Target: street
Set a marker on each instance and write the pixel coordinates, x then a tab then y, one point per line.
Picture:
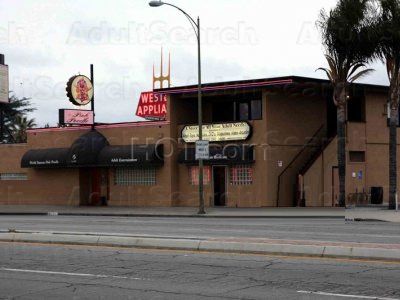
64	272
296	229
39	271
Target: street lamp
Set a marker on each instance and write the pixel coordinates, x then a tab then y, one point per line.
196	28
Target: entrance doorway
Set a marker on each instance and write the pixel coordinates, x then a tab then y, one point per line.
219	183
94	187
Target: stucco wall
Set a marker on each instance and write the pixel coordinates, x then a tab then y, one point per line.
291	122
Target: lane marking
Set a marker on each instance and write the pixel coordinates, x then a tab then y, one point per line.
345	295
71	274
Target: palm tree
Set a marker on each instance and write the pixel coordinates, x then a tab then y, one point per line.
348	49
389	53
21	125
11	110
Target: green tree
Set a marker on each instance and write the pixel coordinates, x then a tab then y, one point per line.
16	108
345	32
20	127
388	29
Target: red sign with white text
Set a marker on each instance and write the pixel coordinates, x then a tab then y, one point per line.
152	106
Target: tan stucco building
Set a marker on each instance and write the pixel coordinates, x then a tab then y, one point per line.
272	144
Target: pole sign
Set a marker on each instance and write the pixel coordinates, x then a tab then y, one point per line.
218	132
76	117
80	90
4	82
202	150
152	106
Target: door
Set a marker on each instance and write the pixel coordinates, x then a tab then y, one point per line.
219	183
105	187
93	186
335	186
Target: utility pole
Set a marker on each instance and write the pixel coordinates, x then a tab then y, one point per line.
2	101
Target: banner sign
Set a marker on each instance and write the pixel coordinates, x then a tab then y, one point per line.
152	106
80	90
75	117
218	132
4	82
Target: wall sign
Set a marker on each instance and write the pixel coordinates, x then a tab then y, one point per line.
76	117
152	106
4	81
80	90
218	132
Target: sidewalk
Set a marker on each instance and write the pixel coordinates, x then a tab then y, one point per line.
372	213
323	249
173	212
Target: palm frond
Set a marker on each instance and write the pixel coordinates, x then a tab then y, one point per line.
355	68
327	72
360	75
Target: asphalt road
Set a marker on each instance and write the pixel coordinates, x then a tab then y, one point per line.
298	229
77	272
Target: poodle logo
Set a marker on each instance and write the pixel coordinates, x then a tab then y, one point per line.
80	90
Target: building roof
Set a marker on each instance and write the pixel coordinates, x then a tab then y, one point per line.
256	83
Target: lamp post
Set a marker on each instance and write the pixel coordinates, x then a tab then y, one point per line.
196	28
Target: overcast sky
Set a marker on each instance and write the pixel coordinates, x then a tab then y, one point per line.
46	42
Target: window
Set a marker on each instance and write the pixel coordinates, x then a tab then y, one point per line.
194	175
256	110
230	110
223	111
389	113
243	111
357	156
241	175
133	176
248	110
356	107
13	176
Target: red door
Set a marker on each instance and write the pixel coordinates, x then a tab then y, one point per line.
96	187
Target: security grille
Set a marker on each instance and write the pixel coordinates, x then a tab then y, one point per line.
131	176
194	175
13	176
241	175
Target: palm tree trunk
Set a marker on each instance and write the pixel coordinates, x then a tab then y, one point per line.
394	115
341	153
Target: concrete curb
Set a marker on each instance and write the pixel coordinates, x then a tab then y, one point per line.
169	215
194	244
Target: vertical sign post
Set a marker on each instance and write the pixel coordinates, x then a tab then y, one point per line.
92	104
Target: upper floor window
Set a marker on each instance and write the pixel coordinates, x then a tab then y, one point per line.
238	110
356	106
388	115
249	110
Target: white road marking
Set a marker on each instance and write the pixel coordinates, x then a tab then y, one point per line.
345	296
71	274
